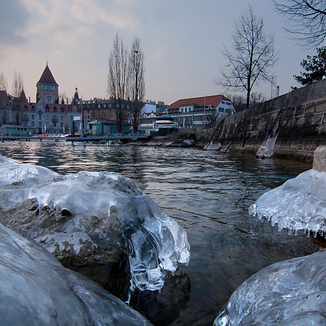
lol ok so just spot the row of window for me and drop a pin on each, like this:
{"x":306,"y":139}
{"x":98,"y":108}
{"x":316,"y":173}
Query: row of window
{"x":40,"y":117}
{"x":40,"y":124}
{"x":47,"y":109}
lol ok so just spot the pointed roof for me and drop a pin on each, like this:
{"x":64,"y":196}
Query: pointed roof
{"x":22,"y":96}
{"x":4,"y":97}
{"x":47,"y":77}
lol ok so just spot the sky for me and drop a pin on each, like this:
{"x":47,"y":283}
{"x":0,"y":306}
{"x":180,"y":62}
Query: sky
{"x":182,"y":42}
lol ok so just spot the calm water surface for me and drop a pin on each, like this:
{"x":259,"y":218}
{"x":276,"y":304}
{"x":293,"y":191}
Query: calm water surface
{"x":209,"y":195}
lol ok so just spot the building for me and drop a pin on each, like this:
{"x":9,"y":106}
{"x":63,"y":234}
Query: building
{"x":47,"y":115}
{"x":105,"y":128}
{"x":6,"y":114}
{"x":197,"y":111}
{"x":15,"y":130}
{"x":148,"y":122}
{"x":98,"y":109}
{"x":47,"y":89}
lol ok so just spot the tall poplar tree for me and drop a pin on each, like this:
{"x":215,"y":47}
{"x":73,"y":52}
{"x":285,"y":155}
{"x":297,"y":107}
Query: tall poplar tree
{"x":117,"y":79}
{"x":136,"y":80}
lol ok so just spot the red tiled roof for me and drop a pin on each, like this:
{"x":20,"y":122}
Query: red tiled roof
{"x":213,"y":100}
{"x":47,"y":77}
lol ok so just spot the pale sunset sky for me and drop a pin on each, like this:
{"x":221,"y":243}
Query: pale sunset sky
{"x":181,"y":41}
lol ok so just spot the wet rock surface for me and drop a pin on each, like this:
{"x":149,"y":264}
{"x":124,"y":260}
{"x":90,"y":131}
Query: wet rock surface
{"x":36,"y":290}
{"x":92,"y":218}
{"x":102,"y":245}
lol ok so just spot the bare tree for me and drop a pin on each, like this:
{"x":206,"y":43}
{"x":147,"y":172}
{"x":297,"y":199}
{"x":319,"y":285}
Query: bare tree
{"x":17,"y":85}
{"x":117,"y":79}
{"x":252,"y":55}
{"x":3,"y":82}
{"x":307,"y":20}
{"x":17,"y":92}
{"x":136,"y":80}
{"x":257,"y":98}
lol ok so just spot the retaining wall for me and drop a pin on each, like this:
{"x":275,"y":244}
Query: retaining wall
{"x":298,"y":117}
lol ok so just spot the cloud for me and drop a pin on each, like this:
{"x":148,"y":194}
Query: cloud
{"x":13,"y":20}
{"x":67,"y":21}
{"x":117,"y":14}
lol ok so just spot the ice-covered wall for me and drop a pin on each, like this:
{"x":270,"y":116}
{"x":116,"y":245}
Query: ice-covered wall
{"x":157,"y":243}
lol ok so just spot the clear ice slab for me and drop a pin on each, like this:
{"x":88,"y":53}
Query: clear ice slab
{"x":289,"y":293}
{"x":156,"y":242}
{"x":299,"y":204}
{"x":36,"y":290}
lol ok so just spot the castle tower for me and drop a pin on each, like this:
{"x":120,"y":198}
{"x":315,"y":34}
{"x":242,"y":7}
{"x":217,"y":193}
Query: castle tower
{"x":47,"y":89}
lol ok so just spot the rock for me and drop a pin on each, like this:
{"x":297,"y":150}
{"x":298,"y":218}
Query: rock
{"x":37,"y":290}
{"x":91,"y":218}
{"x":288,"y":293}
{"x":100,"y":240}
{"x":320,"y":159}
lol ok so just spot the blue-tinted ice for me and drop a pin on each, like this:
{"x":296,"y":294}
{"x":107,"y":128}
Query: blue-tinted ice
{"x":289,"y":293}
{"x":299,"y":204}
{"x":292,"y":292}
{"x":36,"y":290}
{"x":157,"y":243}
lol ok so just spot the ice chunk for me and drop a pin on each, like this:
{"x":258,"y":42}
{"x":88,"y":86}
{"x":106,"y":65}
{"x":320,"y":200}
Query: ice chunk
{"x":157,"y":243}
{"x":36,"y":290}
{"x":299,"y":204}
{"x":292,"y":293}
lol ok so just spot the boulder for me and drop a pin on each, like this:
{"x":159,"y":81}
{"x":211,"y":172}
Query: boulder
{"x":36,"y":290}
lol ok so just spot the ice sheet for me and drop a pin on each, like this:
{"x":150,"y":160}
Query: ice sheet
{"x":157,"y":243}
{"x":36,"y":290}
{"x":289,"y":293}
{"x":299,"y":204}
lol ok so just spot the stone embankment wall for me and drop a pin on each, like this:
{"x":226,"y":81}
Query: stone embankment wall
{"x":297,"y":117}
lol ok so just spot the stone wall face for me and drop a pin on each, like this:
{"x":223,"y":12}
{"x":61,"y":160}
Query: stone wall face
{"x":299,"y":118}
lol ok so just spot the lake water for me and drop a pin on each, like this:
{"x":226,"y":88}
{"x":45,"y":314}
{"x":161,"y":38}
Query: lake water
{"x":209,"y":195}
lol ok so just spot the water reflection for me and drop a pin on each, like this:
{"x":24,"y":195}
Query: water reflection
{"x":209,"y":195}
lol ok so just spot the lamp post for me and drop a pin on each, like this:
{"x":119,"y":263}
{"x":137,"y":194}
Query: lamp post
{"x":205,"y":109}
{"x":136,"y":91}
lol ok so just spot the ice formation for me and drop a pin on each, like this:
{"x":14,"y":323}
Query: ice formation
{"x":267,"y":148}
{"x":157,"y":243}
{"x":299,"y":204}
{"x":36,"y":290}
{"x":291,"y":293}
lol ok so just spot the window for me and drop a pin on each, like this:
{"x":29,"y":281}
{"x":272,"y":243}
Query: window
{"x":40,"y":124}
{"x":54,"y":124}
{"x":47,"y":117}
{"x":40,"y":116}
{"x":49,"y":99}
{"x":32,"y":116}
{"x":61,"y":117}
{"x":221,"y":109}
{"x":32,"y":123}
{"x":62,"y":110}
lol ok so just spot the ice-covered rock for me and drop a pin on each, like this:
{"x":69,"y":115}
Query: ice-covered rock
{"x":36,"y":290}
{"x":299,"y":204}
{"x":87,"y":206}
{"x":289,"y":293}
